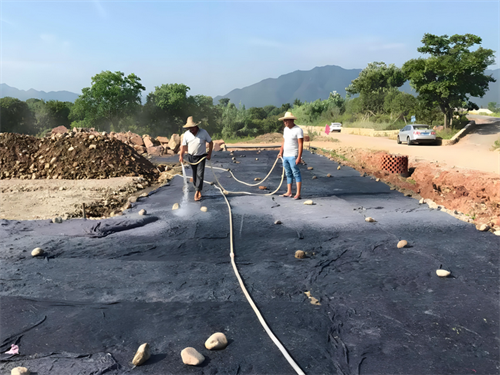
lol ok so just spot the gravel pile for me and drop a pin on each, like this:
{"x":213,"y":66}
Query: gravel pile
{"x":72,"y":156}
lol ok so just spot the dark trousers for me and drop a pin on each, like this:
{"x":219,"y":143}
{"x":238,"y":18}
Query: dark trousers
{"x":198,"y":170}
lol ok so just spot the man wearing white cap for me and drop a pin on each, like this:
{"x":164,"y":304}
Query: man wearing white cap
{"x":194,"y":143}
{"x":291,"y":151}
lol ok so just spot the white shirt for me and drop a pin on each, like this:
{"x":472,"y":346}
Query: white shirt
{"x":291,"y":136}
{"x":196,"y":143}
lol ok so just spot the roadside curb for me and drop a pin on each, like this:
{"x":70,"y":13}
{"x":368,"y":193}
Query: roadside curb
{"x":466,"y":130}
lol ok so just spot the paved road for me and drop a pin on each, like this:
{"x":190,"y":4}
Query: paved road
{"x":487,"y":131}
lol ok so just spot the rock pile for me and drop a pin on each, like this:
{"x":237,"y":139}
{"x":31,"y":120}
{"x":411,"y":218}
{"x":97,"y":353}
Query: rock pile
{"x":71,"y":155}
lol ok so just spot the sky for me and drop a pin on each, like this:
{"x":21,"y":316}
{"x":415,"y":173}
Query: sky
{"x":214,"y":47}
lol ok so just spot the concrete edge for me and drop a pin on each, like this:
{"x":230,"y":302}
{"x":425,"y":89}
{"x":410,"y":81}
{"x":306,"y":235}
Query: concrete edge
{"x":466,"y":130}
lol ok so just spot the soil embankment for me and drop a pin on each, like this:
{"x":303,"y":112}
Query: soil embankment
{"x":472,"y":196}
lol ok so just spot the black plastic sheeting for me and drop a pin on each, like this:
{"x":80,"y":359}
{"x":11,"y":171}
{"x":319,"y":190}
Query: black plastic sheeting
{"x":105,"y":287}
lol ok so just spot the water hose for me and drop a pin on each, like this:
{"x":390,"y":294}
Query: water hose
{"x":262,"y":321}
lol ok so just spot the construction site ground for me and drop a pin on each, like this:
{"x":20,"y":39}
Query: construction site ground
{"x":355,"y":304}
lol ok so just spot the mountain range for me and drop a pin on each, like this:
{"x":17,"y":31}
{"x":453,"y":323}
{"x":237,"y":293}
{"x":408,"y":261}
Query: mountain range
{"x":63,"y":96}
{"x":307,"y":86}
{"x":317,"y":84}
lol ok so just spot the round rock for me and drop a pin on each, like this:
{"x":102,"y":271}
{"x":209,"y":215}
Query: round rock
{"x":20,"y":371}
{"x":309,"y":202}
{"x":314,"y":177}
{"x":442,"y":273}
{"x":299,"y":254}
{"x":203,"y":208}
{"x":190,"y":356}
{"x":143,"y":212}
{"x":277,"y":222}
{"x":338,"y":167}
{"x":263,"y":187}
{"x":216,"y":342}
{"x":176,"y":206}
{"x":328,"y":175}
{"x":37,"y":252}
{"x":402,"y":244}
{"x":310,"y":168}
{"x":370,"y":219}
{"x":483,"y":227}
{"x":142,"y":355}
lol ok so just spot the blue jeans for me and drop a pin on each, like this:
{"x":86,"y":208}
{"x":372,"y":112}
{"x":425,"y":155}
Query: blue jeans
{"x":291,"y":169}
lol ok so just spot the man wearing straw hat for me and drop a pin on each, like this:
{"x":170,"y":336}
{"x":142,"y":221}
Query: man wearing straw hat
{"x":194,"y":143}
{"x":291,"y":151}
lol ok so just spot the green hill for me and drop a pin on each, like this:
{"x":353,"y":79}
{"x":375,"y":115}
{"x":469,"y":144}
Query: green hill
{"x":317,"y":84}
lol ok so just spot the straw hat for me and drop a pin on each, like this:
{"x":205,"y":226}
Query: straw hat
{"x":190,"y":123}
{"x":288,"y":116}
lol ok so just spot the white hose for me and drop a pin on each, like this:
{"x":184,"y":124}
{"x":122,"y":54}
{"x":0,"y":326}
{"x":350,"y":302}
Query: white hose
{"x":270,"y":333}
{"x":262,"y":321}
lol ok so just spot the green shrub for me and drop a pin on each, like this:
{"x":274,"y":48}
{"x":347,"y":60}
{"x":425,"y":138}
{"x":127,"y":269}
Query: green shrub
{"x":496,"y":145}
{"x":447,"y":133}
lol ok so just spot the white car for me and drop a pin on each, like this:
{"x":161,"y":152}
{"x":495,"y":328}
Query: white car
{"x":416,"y":133}
{"x":336,"y":127}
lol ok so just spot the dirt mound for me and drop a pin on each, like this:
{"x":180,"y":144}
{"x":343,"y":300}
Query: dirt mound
{"x":469,"y":195}
{"x":268,"y":138}
{"x":71,"y":156}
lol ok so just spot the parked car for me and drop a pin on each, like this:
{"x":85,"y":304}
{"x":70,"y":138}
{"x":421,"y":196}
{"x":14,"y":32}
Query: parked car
{"x":336,"y":127}
{"x":416,"y":133}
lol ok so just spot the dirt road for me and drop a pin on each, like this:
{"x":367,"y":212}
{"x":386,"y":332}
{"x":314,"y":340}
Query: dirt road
{"x":471,"y":152}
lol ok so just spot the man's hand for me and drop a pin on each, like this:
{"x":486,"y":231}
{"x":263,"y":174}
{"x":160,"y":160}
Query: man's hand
{"x":297,"y":162}
{"x":279,"y":155}
{"x":181,"y":159}
{"x":209,"y":156}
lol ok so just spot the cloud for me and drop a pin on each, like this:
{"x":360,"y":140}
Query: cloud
{"x":100,"y":9}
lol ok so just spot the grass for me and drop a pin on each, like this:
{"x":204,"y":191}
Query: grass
{"x":333,"y":154}
{"x":318,"y":136}
{"x":496,"y":145}
{"x":238,"y":139}
{"x":411,"y":181}
{"x":494,"y":114}
{"x":447,"y":133}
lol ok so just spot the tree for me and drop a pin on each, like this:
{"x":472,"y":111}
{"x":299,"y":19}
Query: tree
{"x":373,"y":84}
{"x":16,"y":117}
{"x":170,"y":106}
{"x":201,"y":107}
{"x":492,"y":106}
{"x":111,"y":98}
{"x":58,"y":112}
{"x":452,"y":74}
{"x":49,"y":114}
{"x":400,"y":104}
